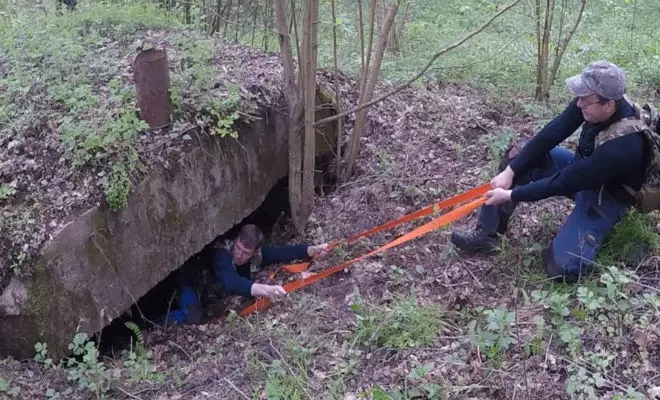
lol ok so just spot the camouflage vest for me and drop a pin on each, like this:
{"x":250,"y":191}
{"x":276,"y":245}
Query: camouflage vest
{"x":211,"y":288}
{"x":645,"y":121}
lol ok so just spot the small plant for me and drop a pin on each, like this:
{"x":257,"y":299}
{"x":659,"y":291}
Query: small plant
{"x":5,"y":387}
{"x":138,"y":358}
{"x":535,"y":346}
{"x":405,"y":324}
{"x":417,"y":386}
{"x":41,"y":355}
{"x":282,"y":385}
{"x":117,"y":188}
{"x":497,"y":145}
{"x":494,"y":339}
{"x":6,"y":192}
{"x":85,"y":369}
{"x":628,"y":239}
{"x":224,"y":113}
{"x":52,"y":394}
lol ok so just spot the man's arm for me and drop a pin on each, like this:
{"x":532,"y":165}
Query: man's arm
{"x":231,"y":281}
{"x":561,"y":127}
{"x":276,"y":254}
{"x":608,"y":162}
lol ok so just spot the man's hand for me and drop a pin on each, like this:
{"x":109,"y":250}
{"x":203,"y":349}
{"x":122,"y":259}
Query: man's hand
{"x":498,"y":196}
{"x":504,"y":179}
{"x":261,"y":290}
{"x":320,"y":250}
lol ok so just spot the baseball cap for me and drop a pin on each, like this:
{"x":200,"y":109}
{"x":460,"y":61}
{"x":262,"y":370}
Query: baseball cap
{"x":600,"y":77}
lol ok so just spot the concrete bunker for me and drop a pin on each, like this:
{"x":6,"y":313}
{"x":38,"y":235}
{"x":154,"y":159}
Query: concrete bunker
{"x":271,"y":217}
{"x":96,"y":266}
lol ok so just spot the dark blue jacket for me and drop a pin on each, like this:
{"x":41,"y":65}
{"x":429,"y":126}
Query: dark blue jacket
{"x":615,"y":162}
{"x":237,"y":279}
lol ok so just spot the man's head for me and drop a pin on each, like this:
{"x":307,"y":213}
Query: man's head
{"x":599,"y":89}
{"x":247,"y":244}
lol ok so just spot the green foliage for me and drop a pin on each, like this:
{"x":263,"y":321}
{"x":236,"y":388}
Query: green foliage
{"x":224,"y":111}
{"x":85,"y":369}
{"x":117,"y":188}
{"x":282,"y":385}
{"x":608,"y":310}
{"x":7,"y":388}
{"x":494,"y":339}
{"x":6,"y":192}
{"x":52,"y":394}
{"x":404,"y":324}
{"x":497,"y":144}
{"x":138,"y":359}
{"x":418,"y":386}
{"x":631,"y":237}
{"x":41,"y":354}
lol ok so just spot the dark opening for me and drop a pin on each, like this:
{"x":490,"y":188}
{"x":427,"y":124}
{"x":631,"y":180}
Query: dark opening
{"x":271,"y":215}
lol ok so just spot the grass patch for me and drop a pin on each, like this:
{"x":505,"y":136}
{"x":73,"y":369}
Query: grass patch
{"x":633,"y":234}
{"x":404,"y":323}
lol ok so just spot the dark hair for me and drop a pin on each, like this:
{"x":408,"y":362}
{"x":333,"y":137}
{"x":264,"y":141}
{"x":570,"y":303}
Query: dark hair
{"x":251,"y":236}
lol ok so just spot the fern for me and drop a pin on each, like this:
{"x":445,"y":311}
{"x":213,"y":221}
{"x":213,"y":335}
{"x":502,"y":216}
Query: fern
{"x":139,"y":339}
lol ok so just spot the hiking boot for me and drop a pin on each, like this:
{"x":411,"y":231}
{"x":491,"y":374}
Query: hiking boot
{"x":475,"y":241}
{"x":193,"y":314}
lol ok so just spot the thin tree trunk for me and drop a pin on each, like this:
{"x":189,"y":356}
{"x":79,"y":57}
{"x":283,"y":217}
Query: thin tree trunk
{"x":337,"y":92}
{"x":186,"y":12}
{"x":295,"y":110}
{"x":238,"y":20}
{"x":561,"y":47}
{"x":309,"y":96}
{"x":254,"y":22}
{"x":266,"y":9}
{"x":361,"y":28}
{"x":403,"y":22}
{"x":421,"y":72}
{"x":537,"y":13}
{"x":371,"y":77}
{"x":364,"y":72}
{"x":543,"y":58}
{"x":226,"y":18}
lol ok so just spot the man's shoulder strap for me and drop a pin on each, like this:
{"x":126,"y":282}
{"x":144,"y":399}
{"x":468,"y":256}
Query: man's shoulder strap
{"x":641,"y":121}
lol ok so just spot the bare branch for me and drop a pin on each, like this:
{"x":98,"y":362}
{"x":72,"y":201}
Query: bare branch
{"x":561,"y":48}
{"x":426,"y":67}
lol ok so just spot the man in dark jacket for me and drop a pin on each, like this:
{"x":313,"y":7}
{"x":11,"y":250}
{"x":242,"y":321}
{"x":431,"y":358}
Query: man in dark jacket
{"x":593,"y":176}
{"x":233,"y":264}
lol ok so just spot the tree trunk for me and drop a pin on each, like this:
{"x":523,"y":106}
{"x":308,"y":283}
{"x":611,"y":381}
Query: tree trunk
{"x":337,"y":92}
{"x":543,"y":56}
{"x":563,"y":44}
{"x":309,"y":96}
{"x":367,"y":86}
{"x":546,"y":74}
{"x":295,"y":111}
{"x":392,"y":39}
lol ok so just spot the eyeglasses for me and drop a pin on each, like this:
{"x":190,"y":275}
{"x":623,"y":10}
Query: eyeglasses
{"x":582,"y":105}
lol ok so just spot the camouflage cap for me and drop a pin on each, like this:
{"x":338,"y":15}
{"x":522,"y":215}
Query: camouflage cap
{"x":600,"y":77}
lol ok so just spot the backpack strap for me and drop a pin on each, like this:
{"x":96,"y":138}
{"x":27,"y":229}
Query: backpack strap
{"x":621,"y":128}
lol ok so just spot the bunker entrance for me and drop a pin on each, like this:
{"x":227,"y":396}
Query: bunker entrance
{"x":271,"y":216}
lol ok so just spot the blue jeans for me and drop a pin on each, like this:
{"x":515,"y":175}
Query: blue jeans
{"x":576,"y":244}
{"x":189,"y":311}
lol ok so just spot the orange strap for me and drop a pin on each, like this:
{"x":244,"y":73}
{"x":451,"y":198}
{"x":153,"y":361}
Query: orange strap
{"x":436,"y":223}
{"x":441,"y":205}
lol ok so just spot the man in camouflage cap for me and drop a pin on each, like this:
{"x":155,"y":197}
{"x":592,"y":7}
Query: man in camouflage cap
{"x":593,"y":176}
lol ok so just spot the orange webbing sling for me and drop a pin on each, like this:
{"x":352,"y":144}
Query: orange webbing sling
{"x":436,"y":223}
{"x":441,"y":205}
